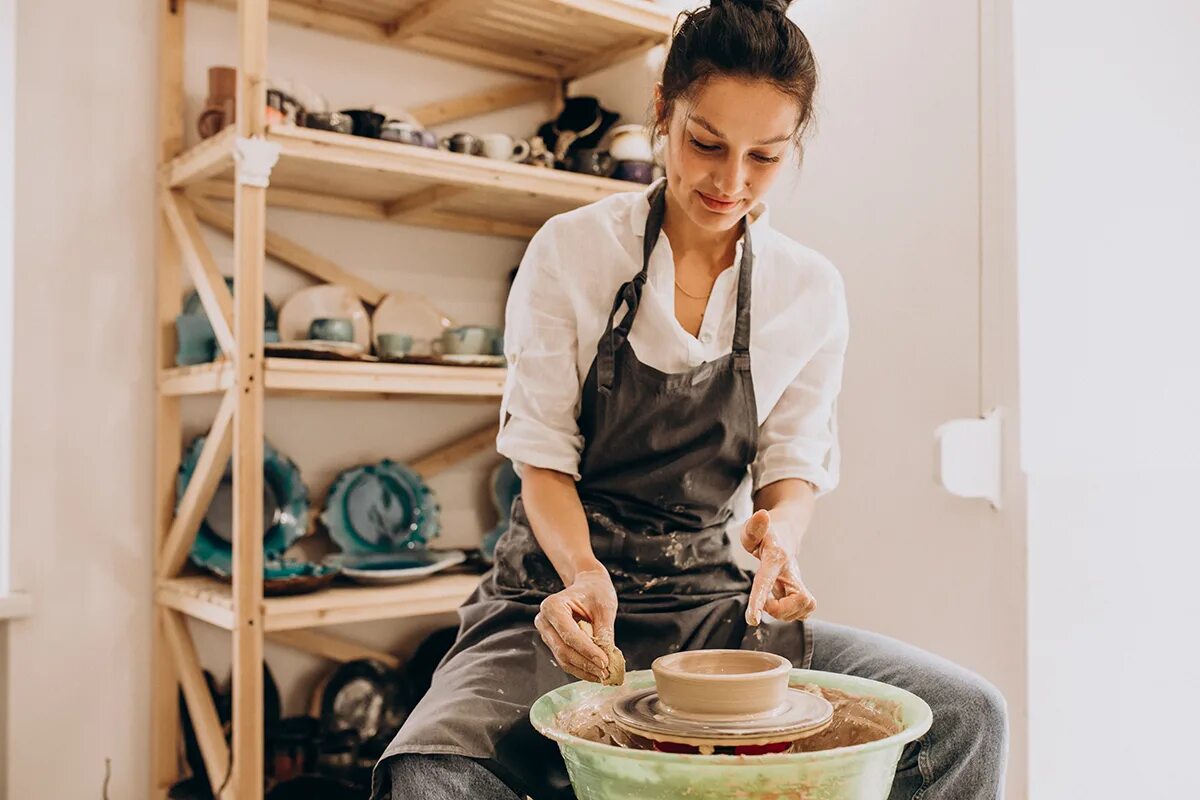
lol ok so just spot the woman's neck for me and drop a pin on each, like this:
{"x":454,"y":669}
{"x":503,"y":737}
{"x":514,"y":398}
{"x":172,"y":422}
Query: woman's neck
{"x":691,"y":242}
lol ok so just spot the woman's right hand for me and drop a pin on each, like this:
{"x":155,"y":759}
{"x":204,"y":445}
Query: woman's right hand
{"x":590,"y":596}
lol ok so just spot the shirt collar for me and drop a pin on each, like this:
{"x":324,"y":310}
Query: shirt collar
{"x":759,"y":215}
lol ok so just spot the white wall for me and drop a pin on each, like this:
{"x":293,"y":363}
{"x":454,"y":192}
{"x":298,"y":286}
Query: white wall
{"x":1108,"y":119}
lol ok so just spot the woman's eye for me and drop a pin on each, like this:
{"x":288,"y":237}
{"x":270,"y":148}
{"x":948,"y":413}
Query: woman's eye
{"x":707,"y":148}
{"x":765,"y":159}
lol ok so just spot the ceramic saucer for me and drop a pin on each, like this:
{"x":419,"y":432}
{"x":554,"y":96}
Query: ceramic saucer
{"x":306,"y":347}
{"x":326,"y":300}
{"x":388,"y":568}
{"x":803,"y":714}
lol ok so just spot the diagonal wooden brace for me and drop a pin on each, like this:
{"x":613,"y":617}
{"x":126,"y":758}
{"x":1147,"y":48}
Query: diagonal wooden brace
{"x":210,"y":283}
{"x":200,"y":489}
{"x":201,"y":709}
{"x":332,"y":647}
{"x":292,"y":253}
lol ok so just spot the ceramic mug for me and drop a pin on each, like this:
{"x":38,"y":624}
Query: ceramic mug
{"x":460,"y":143}
{"x":366,"y":123}
{"x":393,"y":345}
{"x":503,"y":147}
{"x":395,"y":130}
{"x":474,"y":340}
{"x":332,"y":329}
{"x":636,"y":171}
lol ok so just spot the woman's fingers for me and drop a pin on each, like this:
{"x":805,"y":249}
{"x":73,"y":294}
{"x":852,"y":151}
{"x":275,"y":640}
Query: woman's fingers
{"x":570,"y":661}
{"x":771,"y":563}
{"x":558,"y":613}
{"x":792,"y":606}
{"x":755,"y":529}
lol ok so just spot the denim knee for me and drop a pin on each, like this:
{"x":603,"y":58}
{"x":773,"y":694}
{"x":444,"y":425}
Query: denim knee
{"x":443,"y":777}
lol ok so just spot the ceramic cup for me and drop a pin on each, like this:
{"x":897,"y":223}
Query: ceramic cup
{"x":503,"y":147}
{"x":395,"y":130}
{"x":393,"y":345}
{"x":460,"y":143}
{"x":593,"y":162}
{"x":721,"y":683}
{"x":429,"y":139}
{"x":332,"y":329}
{"x":636,"y":171}
{"x":366,"y":123}
{"x":472,"y":340}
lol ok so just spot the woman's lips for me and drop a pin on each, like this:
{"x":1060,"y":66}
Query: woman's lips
{"x":714,"y":204}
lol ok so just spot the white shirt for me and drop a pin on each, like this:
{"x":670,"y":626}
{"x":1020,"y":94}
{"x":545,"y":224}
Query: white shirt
{"x":559,"y":305}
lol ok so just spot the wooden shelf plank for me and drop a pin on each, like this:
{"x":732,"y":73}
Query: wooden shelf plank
{"x":355,"y":175}
{"x":302,"y":376}
{"x":211,"y":600}
{"x":559,"y":38}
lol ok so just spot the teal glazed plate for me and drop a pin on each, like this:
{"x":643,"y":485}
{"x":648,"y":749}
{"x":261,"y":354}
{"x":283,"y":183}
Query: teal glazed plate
{"x":192,"y":305}
{"x":380,"y":508}
{"x":506,"y":485}
{"x":285,"y":509}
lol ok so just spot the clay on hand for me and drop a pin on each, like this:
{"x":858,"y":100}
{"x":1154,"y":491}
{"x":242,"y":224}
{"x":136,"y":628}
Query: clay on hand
{"x":616,"y":659}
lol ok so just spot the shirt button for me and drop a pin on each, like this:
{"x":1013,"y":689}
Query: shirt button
{"x":706,"y":337}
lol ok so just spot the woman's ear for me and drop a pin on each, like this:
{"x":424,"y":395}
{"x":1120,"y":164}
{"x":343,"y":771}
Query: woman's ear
{"x":659,"y":116}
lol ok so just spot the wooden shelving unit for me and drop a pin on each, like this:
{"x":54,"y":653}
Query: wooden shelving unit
{"x":544,"y":43}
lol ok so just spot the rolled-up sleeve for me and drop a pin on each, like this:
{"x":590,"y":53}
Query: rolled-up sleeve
{"x":799,"y":437}
{"x":539,"y":409}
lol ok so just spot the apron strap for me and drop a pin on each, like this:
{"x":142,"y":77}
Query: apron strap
{"x":741,"y":325}
{"x":630,"y":294}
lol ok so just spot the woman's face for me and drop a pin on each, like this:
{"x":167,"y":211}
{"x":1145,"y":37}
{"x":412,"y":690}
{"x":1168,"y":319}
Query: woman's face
{"x":724,"y":151}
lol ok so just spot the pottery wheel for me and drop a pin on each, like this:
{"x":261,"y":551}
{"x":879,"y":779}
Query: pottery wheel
{"x":803,"y":714}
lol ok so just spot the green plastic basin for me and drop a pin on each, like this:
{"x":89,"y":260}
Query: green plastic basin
{"x":860,"y":772}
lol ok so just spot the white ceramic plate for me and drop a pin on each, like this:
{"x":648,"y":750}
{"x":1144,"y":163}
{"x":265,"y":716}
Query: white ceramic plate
{"x":372,"y":568}
{"x":467,"y":359}
{"x":327,"y":300}
{"x":411,"y":313}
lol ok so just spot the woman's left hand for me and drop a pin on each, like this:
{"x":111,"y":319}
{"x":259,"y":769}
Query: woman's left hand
{"x":777,"y":587}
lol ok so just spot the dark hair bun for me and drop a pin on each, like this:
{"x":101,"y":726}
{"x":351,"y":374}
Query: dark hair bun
{"x":777,"y":6}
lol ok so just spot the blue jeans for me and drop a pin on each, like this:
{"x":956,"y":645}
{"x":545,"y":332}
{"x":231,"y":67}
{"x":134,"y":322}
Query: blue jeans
{"x":962,"y":757}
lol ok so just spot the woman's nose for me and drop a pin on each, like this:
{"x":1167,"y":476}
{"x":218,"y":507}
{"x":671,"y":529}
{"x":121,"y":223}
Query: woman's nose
{"x":729,"y":177}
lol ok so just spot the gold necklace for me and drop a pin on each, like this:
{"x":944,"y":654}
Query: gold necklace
{"x":693,"y":296}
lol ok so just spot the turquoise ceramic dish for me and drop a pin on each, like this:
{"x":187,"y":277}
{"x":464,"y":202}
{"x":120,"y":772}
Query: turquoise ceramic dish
{"x":197,"y":343}
{"x":506,"y":485}
{"x":285,"y":509}
{"x":380,"y":508}
{"x":606,"y":772}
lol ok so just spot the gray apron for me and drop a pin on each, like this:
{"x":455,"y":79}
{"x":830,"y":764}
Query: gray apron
{"x":663,"y":455}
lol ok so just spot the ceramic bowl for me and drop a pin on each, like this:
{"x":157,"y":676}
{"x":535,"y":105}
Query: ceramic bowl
{"x":332,"y":329}
{"x":469,"y":340}
{"x":601,"y":771}
{"x":721,"y":682}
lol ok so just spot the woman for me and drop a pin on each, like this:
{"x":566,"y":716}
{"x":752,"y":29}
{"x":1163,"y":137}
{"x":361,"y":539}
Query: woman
{"x":663,"y":346}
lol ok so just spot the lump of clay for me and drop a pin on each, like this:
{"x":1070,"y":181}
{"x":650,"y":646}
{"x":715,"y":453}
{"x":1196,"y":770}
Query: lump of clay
{"x":616,"y":659}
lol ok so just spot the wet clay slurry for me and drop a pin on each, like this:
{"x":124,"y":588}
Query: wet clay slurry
{"x":856,"y":720}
